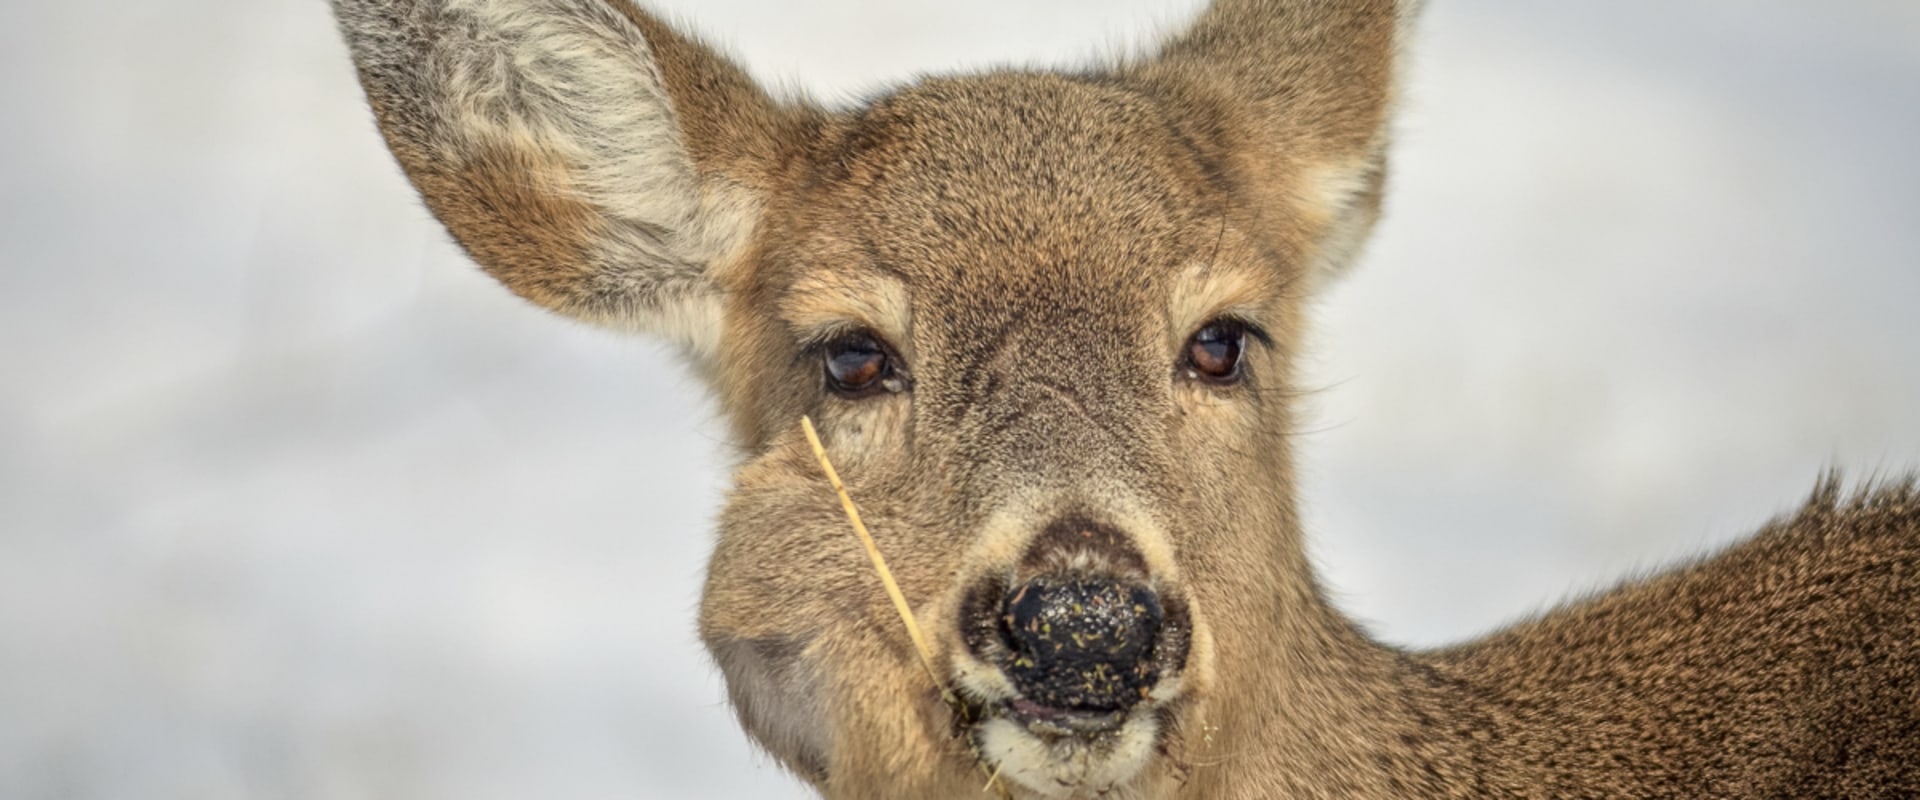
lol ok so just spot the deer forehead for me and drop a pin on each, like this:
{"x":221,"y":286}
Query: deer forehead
{"x":989,"y":204}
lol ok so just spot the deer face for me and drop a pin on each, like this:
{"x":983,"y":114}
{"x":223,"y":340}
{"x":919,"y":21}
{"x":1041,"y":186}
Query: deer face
{"x":1043,"y":321}
{"x":1050,"y":364}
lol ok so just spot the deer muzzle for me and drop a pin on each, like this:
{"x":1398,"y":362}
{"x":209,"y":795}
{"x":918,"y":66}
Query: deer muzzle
{"x":1081,"y":643}
{"x":1079,"y":631}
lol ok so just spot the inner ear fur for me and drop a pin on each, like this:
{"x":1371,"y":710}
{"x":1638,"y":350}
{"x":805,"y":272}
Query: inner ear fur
{"x":591,"y":158}
{"x":1300,"y":95}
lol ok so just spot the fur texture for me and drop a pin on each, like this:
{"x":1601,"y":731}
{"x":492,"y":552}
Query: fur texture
{"x":1034,"y":252}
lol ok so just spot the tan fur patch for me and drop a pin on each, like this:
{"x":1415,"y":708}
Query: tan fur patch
{"x":825,"y":302}
{"x":1204,"y":292}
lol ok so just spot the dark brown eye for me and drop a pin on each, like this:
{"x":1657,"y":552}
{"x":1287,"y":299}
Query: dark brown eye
{"x":858,"y":365}
{"x":1215,"y":352}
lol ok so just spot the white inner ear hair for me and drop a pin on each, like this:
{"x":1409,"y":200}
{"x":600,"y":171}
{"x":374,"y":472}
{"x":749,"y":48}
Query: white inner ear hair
{"x":575,"y":82}
{"x":1340,"y":198}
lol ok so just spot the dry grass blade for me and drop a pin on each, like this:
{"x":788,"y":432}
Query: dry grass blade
{"x":893,"y":589}
{"x":993,"y":780}
{"x":873,"y":553}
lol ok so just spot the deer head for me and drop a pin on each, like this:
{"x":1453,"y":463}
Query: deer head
{"x":1044,"y":322}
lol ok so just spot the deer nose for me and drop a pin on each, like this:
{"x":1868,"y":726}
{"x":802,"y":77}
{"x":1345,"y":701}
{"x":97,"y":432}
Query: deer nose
{"x":1081,"y":643}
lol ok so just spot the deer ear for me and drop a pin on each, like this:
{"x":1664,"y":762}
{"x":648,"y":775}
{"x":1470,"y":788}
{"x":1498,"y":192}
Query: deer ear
{"x":1302,"y":92}
{"x":587,"y":156}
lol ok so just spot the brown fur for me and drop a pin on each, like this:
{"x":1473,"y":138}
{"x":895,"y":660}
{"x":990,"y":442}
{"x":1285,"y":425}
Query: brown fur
{"x":1035,"y":247}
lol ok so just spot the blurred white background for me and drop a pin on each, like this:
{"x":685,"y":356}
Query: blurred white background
{"x":296,"y":503}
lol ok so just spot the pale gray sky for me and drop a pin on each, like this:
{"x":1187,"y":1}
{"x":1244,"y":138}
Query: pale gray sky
{"x":296,"y":503}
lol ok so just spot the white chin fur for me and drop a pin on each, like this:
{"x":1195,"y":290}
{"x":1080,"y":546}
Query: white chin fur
{"x":1070,"y":767}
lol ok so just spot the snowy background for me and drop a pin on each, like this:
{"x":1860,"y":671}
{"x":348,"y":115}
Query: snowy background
{"x":295,"y":503}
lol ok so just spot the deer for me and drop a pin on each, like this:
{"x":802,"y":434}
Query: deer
{"x":1045,"y":322}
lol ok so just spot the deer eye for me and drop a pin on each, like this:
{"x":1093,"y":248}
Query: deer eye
{"x":1215,"y":352}
{"x":859,"y":365}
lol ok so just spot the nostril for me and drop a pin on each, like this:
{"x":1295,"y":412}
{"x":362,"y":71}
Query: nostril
{"x":1081,"y":644}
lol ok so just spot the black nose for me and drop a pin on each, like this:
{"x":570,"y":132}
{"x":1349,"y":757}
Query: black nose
{"x":1082,"y":644}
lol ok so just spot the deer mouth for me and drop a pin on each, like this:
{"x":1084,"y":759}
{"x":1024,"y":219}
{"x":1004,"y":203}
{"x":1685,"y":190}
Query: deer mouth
{"x":1051,"y":721}
{"x":1072,"y":659}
